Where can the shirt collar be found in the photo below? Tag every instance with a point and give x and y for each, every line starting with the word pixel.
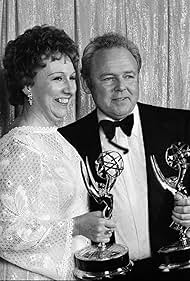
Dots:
pixel 102 116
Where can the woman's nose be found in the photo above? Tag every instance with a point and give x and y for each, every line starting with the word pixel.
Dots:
pixel 70 87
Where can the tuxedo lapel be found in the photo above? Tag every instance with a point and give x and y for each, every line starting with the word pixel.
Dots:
pixel 93 145
pixel 92 150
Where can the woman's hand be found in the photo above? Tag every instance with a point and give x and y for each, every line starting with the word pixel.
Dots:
pixel 93 226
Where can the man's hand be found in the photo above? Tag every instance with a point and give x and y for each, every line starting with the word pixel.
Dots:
pixel 181 211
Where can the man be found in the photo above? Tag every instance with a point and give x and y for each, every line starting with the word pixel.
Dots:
pixel 142 208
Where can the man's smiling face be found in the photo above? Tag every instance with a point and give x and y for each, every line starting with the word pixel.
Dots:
pixel 114 81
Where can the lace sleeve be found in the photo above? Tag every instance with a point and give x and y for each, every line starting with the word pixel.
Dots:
pixel 34 241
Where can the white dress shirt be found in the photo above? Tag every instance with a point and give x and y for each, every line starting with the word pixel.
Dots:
pixel 130 207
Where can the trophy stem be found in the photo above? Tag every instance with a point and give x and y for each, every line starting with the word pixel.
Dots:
pixel 184 241
pixel 183 237
pixel 102 246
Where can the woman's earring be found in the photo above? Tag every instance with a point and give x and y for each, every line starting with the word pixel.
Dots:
pixel 28 93
pixel 29 97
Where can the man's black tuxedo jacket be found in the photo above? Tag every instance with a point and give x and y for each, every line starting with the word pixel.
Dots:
pixel 161 127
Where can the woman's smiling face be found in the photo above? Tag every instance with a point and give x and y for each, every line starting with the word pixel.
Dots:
pixel 54 85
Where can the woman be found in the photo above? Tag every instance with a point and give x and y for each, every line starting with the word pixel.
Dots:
pixel 43 200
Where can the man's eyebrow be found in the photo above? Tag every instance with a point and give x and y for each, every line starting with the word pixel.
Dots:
pixel 111 73
pixel 130 71
pixel 106 74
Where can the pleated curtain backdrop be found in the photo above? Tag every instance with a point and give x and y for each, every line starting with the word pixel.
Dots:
pixel 160 28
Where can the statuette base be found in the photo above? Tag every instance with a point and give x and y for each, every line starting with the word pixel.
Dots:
pixel 175 256
pixel 96 263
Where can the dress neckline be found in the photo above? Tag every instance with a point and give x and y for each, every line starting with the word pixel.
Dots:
pixel 33 129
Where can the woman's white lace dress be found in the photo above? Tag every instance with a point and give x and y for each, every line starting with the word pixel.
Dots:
pixel 41 189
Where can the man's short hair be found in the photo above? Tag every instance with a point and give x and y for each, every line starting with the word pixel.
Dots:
pixel 106 41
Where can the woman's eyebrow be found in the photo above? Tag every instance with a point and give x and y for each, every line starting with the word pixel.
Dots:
pixel 56 72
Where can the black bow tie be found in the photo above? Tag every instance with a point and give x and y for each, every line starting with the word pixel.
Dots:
pixel 109 126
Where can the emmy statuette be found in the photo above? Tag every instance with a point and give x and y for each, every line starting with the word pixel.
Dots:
pixel 177 255
pixel 100 261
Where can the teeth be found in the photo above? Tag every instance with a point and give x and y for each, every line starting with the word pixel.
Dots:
pixel 62 100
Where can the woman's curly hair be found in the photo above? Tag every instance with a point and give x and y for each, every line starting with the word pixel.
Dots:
pixel 27 52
